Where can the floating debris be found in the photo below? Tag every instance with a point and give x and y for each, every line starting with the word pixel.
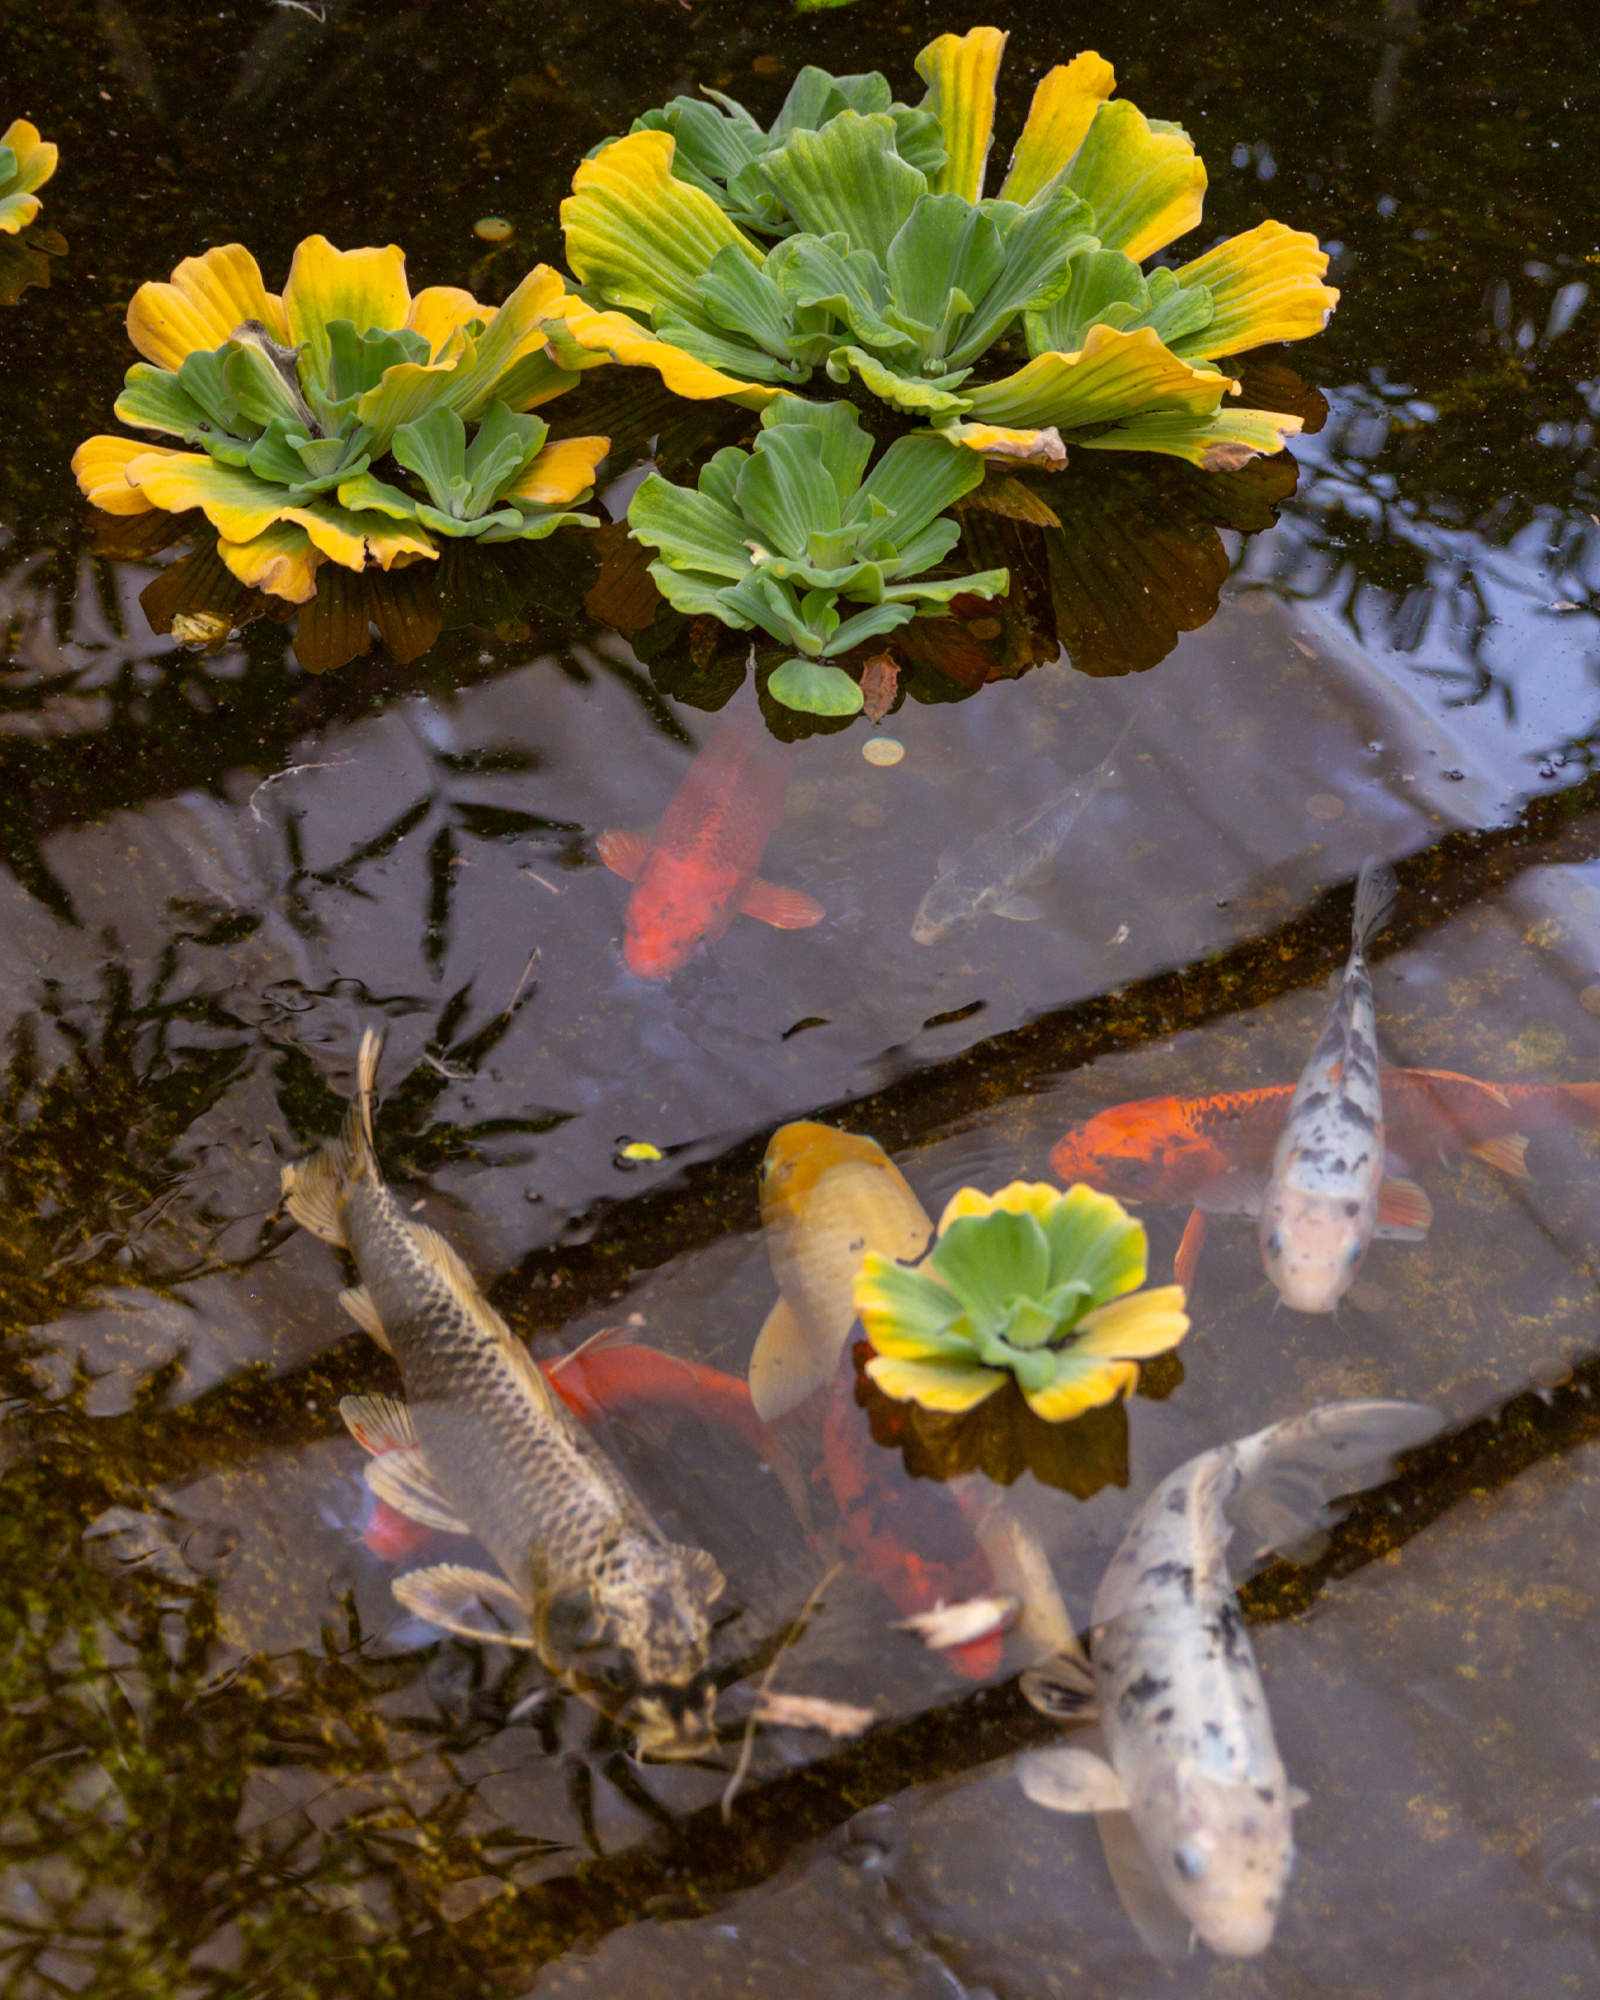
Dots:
pixel 959 1624
pixel 883 751
pixel 492 228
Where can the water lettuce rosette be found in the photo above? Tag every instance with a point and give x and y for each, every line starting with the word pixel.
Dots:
pixel 1030 1283
pixel 891 267
pixel 780 535
pixel 293 399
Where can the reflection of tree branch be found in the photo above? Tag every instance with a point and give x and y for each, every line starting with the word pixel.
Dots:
pixel 251 1412
pixel 704 1859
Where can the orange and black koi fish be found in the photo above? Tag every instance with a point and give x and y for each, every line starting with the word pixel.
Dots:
pixel 1214 1152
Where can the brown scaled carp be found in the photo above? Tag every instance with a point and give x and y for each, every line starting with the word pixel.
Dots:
pixel 589 1581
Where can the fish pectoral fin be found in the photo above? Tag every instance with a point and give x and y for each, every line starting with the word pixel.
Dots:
pixel 469 1602
pixel 624 852
pixel 357 1302
pixel 1063 1779
pixel 313 1192
pixel 784 909
pixel 1020 907
pixel 1062 1686
pixel 404 1480
pixel 378 1423
pixel 785 1367
pixel 1405 1214
pixel 1164 1931
pixel 1508 1155
pixel 1298 1797
pixel 1238 1193
pixel 1187 1261
pixel 705 1578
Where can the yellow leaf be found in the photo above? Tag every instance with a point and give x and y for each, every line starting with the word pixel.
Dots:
pixel 1221 442
pixel 1011 447
pixel 615 337
pixel 936 1385
pixel 1036 1198
pixel 354 539
pixel 1113 375
pixel 1146 188
pixel 1083 1388
pixel 367 287
pixel 637 234
pixel 280 560
pixel 235 502
pixel 438 310
pixel 101 465
pixel 1062 110
pixel 561 472
pixel 1129 1328
pixel 36 158
pixel 1265 285
pixel 208 297
pixel 959 71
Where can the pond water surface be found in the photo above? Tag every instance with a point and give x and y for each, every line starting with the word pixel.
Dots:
pixel 234 1764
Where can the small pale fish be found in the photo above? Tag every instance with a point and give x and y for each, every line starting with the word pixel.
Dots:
pixel 1320 1207
pixel 992 874
pixel 588 1580
pixel 827 1198
pixel 1189 1752
pixel 810 1711
pixel 959 1624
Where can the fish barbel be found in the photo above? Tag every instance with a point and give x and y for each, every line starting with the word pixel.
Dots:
pixel 1320 1205
pixel 989 874
pixel 697 870
pixel 590 1582
pixel 1190 1751
pixel 827 1198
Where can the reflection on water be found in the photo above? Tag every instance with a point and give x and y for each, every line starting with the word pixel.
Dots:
pixel 230 843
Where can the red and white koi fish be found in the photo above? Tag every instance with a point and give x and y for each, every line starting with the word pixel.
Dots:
pixel 697 870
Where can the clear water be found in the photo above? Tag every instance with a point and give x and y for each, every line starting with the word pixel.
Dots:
pixel 234 1767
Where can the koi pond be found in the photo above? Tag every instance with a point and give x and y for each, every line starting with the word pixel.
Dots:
pixel 575 794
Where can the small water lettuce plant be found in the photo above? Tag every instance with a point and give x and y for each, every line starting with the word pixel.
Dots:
pixel 780 535
pixel 26 163
pixel 1030 1283
pixel 294 399
pixel 853 237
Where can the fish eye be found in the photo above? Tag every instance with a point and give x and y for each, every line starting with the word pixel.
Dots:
pixel 1189 1862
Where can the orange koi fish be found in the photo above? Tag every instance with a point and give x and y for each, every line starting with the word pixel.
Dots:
pixel 1215 1152
pixel 697 871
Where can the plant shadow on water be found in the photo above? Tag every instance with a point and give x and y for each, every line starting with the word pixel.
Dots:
pixel 236 833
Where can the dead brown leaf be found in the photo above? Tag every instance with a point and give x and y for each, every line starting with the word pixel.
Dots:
pixel 880 682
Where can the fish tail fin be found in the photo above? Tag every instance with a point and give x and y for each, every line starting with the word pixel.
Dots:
pixel 314 1189
pixel 1288 1472
pixel 1376 890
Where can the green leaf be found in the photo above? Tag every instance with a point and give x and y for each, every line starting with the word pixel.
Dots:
pixel 846 179
pixel 261 377
pixel 1095 1242
pixel 692 530
pixel 153 399
pixel 916 478
pixel 364 491
pixel 732 356
pixel 928 546
pixel 916 397
pixel 742 298
pixel 504 446
pixel 823 272
pixel 1104 288
pixel 1221 442
pixel 697 596
pixel 201 379
pixel 846 447
pixel 1041 249
pixel 868 624
pixel 435 449
pixel 785 491
pixel 357 361
pixel 990 1260
pixel 1142 179
pixel 946 251
pixel 983 583
pixel 814 689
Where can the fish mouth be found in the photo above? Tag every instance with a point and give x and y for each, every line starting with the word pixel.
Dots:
pixel 672 1727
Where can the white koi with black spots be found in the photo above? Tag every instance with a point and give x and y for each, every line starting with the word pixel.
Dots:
pixel 1190 1752
pixel 1320 1206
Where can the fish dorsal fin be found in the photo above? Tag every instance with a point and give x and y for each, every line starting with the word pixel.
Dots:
pixel 404 1480
pixel 1508 1155
pixel 469 1602
pixel 1068 1780
pixel 1289 1472
pixel 704 1577
pixel 784 1368
pixel 357 1302
pixel 529 1373
pixel 444 1258
pixel 378 1423
pixel 1187 1261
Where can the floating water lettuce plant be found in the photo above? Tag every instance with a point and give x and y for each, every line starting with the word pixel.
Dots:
pixel 26 163
pixel 293 400
pixel 891 267
pixel 1030 1282
pixel 777 536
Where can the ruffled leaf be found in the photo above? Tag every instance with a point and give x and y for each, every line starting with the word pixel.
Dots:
pixel 1063 108
pixel 935 1386
pixel 100 465
pixel 1222 442
pixel 988 1261
pixel 960 72
pixel 366 287
pixel 1265 285
pixel 207 298
pixel 1115 375
pixel 847 179
pixel 1146 184
pixel 907 1314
